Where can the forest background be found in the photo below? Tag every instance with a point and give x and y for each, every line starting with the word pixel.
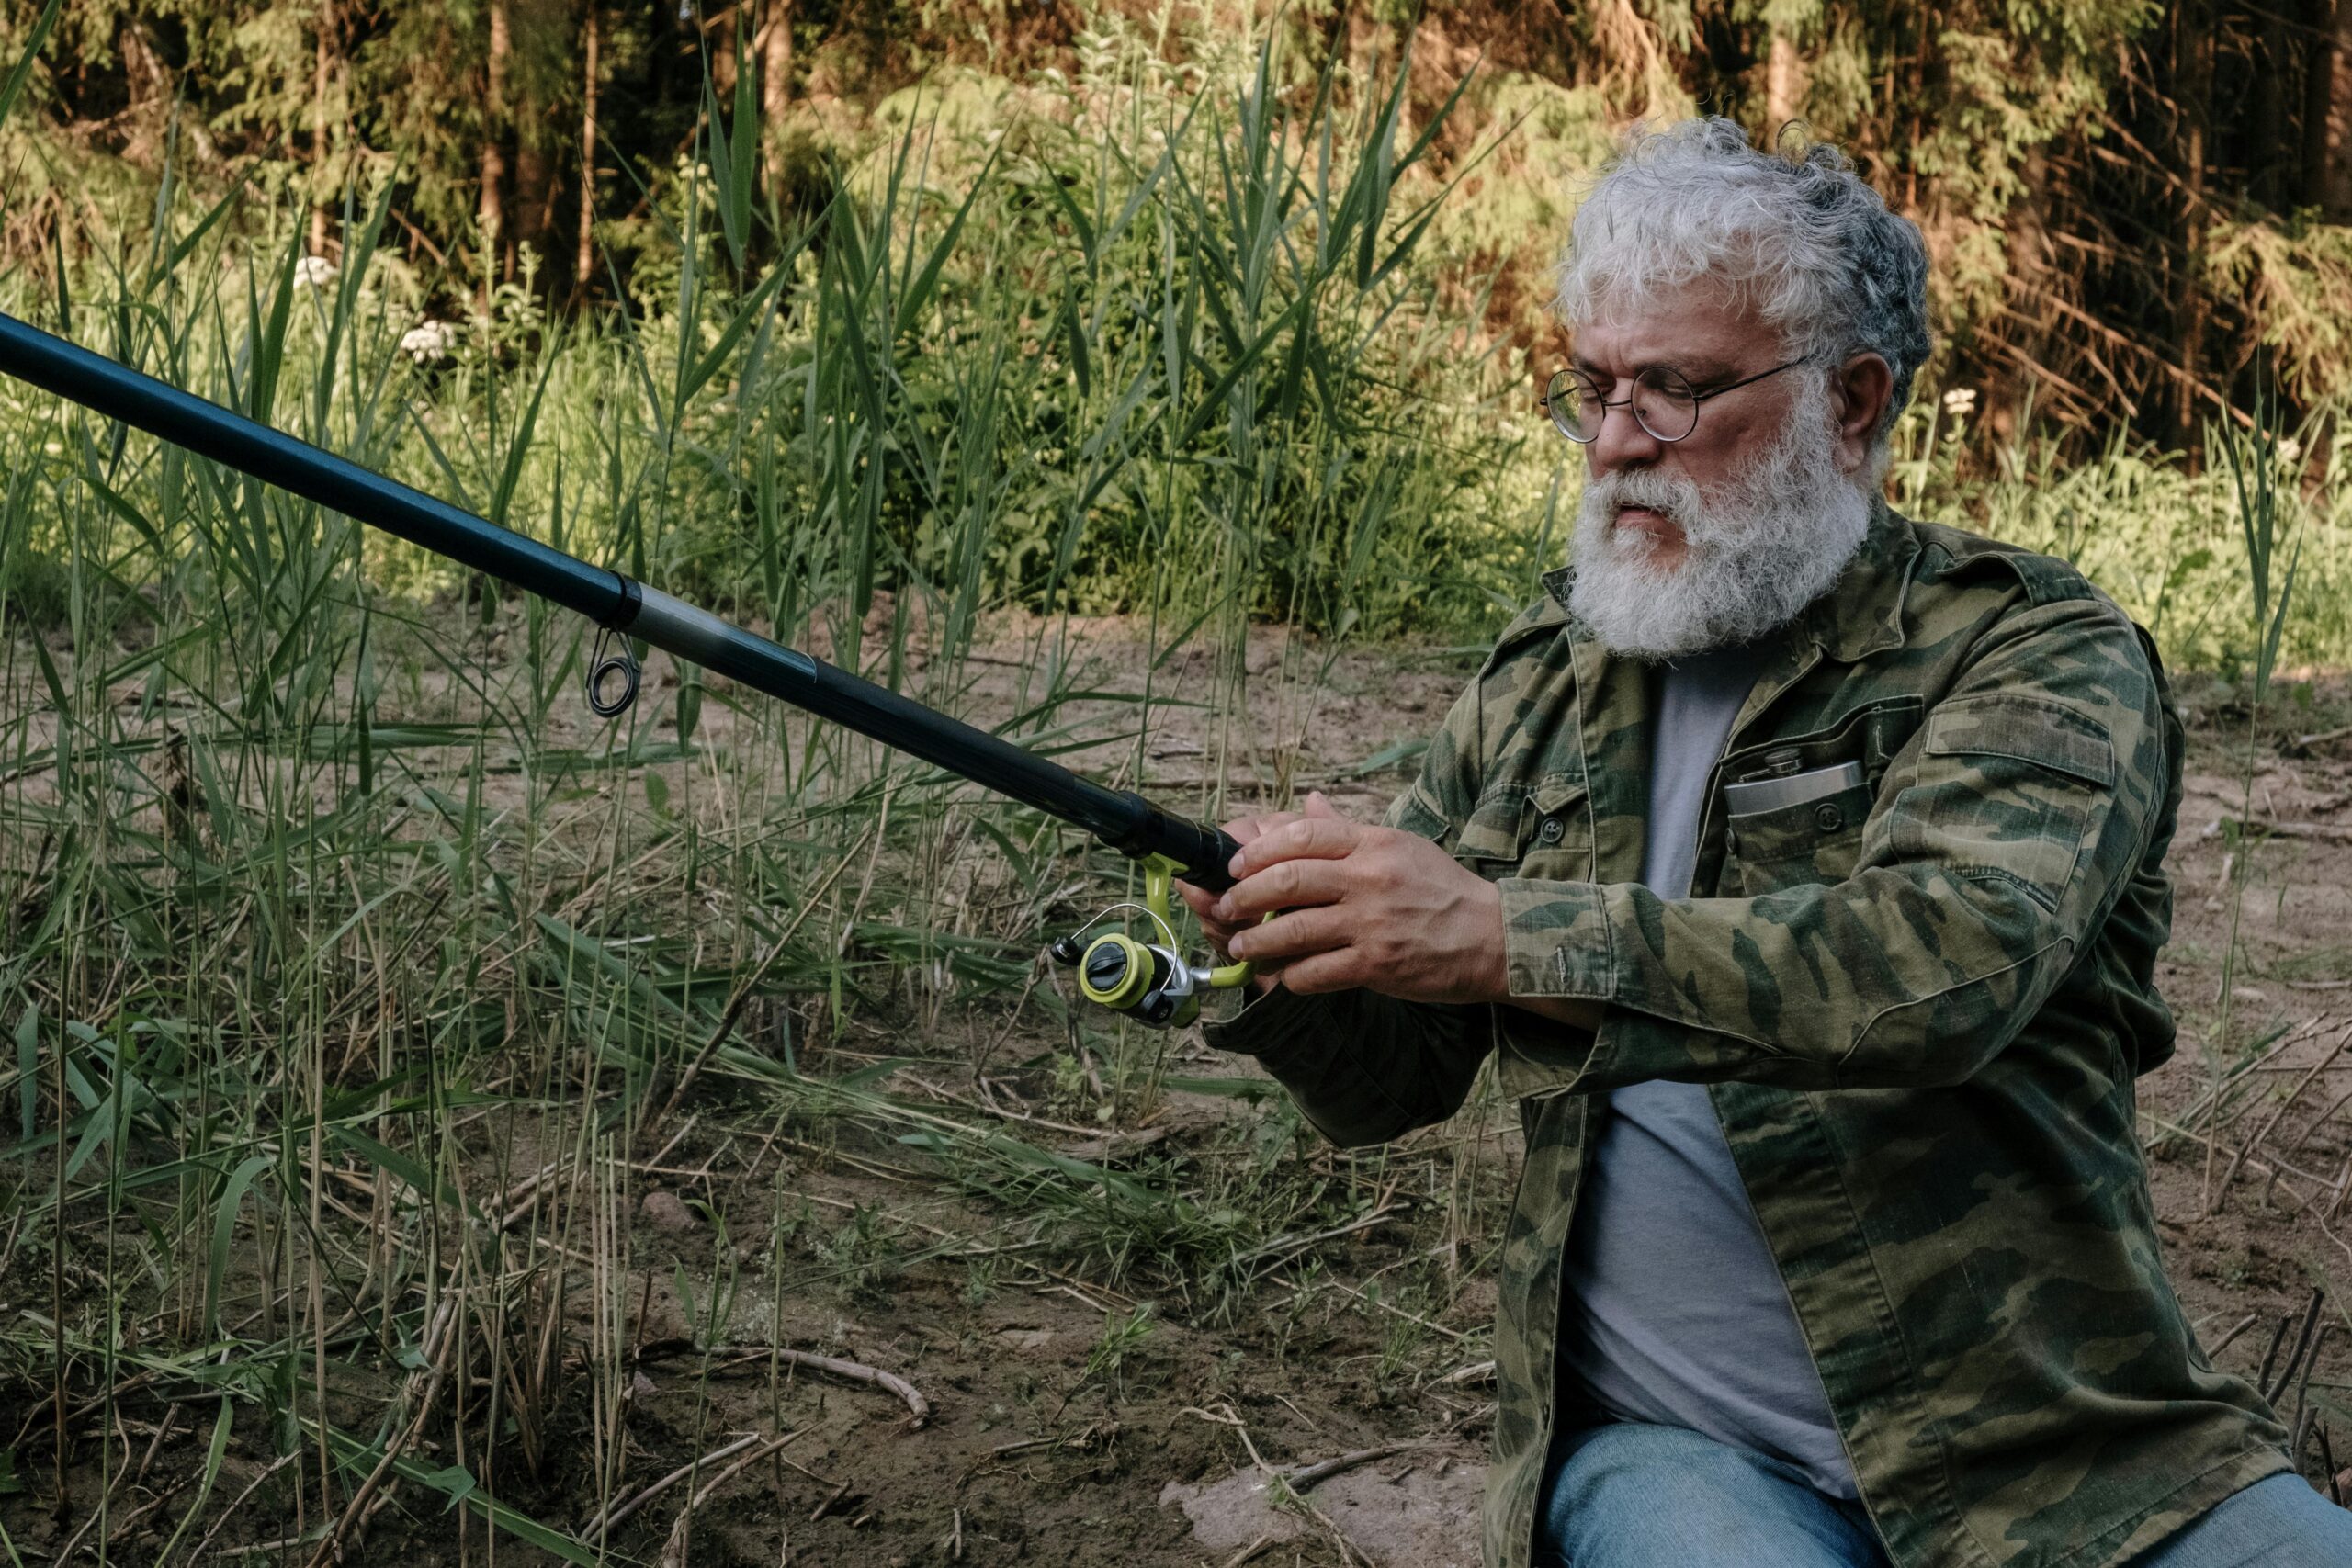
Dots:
pixel 2141 216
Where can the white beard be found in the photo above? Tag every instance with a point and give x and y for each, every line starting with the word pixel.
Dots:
pixel 1770 543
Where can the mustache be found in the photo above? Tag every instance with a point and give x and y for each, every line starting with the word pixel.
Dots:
pixel 1671 496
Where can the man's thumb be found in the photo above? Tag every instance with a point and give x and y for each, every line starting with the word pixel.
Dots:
pixel 1316 806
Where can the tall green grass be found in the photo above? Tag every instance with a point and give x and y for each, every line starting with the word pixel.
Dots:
pixel 350 971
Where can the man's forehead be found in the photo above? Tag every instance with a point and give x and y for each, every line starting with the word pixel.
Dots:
pixel 1696 328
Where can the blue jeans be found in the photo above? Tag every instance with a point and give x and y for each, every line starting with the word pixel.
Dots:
pixel 1631 1495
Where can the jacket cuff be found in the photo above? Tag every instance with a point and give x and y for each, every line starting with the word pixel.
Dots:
pixel 1557 939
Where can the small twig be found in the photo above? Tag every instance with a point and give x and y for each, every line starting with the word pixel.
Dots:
pixel 1346 1290
pixel 2270 1356
pixel 673 1552
pixel 234 1509
pixel 2328 832
pixel 855 1371
pixel 2248 1321
pixel 2222 1188
pixel 1225 1416
pixel 2271 1391
pixel 1300 1477
pixel 1249 1551
pixel 604 1524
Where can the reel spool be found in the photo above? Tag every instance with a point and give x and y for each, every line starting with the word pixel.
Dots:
pixel 1148 982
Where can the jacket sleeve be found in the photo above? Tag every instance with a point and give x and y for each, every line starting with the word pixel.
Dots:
pixel 1363 1067
pixel 2001 837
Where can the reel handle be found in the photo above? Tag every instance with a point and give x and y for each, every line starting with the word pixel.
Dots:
pixel 1149 983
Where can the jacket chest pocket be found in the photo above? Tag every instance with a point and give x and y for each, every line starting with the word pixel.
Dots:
pixel 1816 839
pixel 1542 830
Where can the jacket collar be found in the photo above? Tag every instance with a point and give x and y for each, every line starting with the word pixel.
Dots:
pixel 1860 613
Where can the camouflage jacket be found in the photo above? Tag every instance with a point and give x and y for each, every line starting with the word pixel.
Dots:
pixel 1918 1004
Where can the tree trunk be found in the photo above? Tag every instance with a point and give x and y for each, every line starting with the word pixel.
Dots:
pixel 775 90
pixel 534 214
pixel 2192 66
pixel 320 215
pixel 1784 85
pixel 493 151
pixel 2030 286
pixel 2270 160
pixel 2327 121
pixel 584 262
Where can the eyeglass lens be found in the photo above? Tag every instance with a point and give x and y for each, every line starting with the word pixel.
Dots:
pixel 1662 402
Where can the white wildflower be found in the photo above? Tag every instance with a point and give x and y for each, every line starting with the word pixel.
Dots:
pixel 2289 450
pixel 429 340
pixel 316 271
pixel 1960 402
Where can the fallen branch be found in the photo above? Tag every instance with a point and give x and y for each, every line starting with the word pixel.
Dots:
pixel 833 1366
pixel 2321 737
pixel 1301 1476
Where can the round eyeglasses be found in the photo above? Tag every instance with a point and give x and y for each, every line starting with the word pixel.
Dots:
pixel 1663 403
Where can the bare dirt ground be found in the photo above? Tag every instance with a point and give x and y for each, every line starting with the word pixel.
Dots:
pixel 1091 1415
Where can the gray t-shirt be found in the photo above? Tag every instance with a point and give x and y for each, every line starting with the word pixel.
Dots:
pixel 1672 1308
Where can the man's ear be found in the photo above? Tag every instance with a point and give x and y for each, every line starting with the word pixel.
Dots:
pixel 1859 393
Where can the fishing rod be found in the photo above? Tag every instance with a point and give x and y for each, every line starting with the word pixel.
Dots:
pixel 1149 981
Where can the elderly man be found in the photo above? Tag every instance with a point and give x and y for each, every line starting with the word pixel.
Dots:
pixel 1803 864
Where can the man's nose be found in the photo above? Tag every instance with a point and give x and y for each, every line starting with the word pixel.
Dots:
pixel 1622 442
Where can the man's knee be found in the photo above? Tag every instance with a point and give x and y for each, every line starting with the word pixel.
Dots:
pixel 1633 1495
pixel 2279 1522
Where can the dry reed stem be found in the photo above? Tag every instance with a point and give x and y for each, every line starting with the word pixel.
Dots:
pixel 673 1551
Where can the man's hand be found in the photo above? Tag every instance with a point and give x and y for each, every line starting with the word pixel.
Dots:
pixel 1359 905
pixel 1244 831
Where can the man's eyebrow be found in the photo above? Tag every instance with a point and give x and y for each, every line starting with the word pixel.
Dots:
pixel 1698 372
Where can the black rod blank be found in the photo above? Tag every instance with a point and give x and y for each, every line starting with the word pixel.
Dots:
pixel 1120 818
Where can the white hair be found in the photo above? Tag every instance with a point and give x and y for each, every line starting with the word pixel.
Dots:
pixel 1802 238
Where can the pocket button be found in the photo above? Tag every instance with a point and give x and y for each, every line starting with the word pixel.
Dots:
pixel 1827 817
pixel 1551 831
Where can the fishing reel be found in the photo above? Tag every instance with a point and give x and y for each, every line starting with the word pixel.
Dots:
pixel 1149 983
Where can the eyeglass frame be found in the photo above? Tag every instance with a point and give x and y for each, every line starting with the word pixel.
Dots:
pixel 1545 402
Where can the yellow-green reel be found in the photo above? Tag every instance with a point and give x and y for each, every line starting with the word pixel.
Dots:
pixel 1148 982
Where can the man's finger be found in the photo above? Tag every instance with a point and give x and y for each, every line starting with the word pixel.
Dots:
pixel 1287 885
pixel 1248 829
pixel 1292 936
pixel 1317 837
pixel 1333 970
